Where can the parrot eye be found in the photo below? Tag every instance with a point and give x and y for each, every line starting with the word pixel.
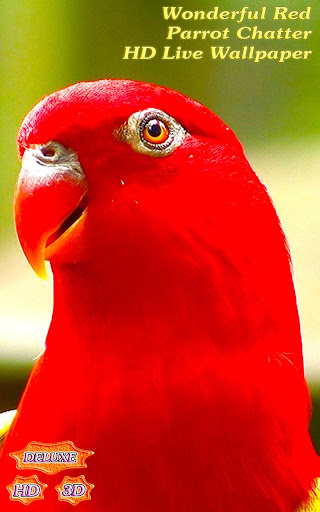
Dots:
pixel 152 132
pixel 155 132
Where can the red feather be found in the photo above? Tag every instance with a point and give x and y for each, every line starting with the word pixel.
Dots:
pixel 174 351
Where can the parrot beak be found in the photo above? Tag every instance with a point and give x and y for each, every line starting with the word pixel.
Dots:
pixel 49 202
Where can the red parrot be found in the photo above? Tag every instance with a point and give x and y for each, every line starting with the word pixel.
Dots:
pixel 174 350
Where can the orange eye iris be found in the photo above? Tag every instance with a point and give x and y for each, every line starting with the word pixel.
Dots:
pixel 156 132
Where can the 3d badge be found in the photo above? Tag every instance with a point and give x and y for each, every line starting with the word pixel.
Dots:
pixel 174 351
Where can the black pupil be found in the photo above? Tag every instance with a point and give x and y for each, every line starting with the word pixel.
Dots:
pixel 154 128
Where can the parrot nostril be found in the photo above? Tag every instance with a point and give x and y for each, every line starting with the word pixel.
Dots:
pixel 48 151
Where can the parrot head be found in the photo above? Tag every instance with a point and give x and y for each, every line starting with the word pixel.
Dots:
pixel 133 158
pixel 150 189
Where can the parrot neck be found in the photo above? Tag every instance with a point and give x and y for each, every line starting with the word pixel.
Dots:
pixel 180 380
pixel 151 309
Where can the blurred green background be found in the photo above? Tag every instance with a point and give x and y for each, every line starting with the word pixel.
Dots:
pixel 272 107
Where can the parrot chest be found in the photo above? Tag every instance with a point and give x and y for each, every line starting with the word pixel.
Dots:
pixel 168 433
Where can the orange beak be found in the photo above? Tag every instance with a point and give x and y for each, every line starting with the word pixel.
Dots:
pixel 49 202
